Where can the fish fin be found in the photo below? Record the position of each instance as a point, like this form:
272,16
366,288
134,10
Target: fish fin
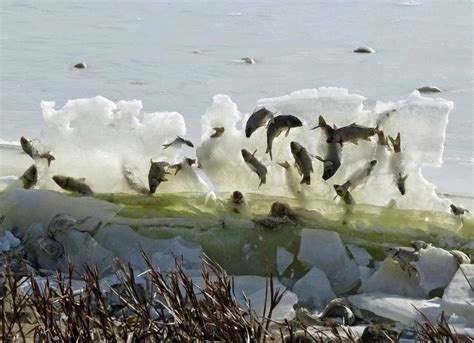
287,132
263,181
306,180
82,179
151,161
253,154
318,158
270,122
285,164
314,128
298,169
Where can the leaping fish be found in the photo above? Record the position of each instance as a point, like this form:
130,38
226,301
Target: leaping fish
179,166
178,142
355,180
352,133
33,152
255,165
73,185
218,132
258,118
303,161
30,177
157,174
332,158
277,126
396,165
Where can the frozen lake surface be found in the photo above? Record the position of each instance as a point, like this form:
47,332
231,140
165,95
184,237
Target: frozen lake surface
175,56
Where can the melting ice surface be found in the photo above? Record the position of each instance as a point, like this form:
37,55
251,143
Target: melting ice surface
96,138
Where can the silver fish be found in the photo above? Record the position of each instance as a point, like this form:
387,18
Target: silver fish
62,222
134,182
354,181
73,185
156,175
179,166
332,158
258,118
178,142
277,126
352,133
30,177
255,165
51,247
303,161
398,173
458,210
218,132
33,152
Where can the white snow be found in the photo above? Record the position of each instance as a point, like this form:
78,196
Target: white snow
325,250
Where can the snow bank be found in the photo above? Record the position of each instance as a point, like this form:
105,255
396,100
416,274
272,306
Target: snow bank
94,138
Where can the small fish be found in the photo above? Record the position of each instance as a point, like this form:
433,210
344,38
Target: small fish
62,222
248,60
396,165
255,165
33,152
218,132
405,258
282,210
179,166
260,117
277,126
73,185
382,117
343,192
285,164
458,210
352,133
418,245
237,198
355,180
328,130
156,175
396,143
429,89
51,247
382,139
303,161
30,177
134,182
178,142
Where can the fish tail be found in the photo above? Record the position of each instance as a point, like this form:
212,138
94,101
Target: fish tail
166,146
263,180
306,180
396,142
48,157
269,151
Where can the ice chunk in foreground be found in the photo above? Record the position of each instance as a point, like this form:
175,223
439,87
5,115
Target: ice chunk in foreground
390,278
458,297
284,259
82,249
361,256
397,308
254,288
314,289
127,244
436,267
23,207
324,250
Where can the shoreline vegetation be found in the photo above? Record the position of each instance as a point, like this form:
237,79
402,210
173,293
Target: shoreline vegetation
168,306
